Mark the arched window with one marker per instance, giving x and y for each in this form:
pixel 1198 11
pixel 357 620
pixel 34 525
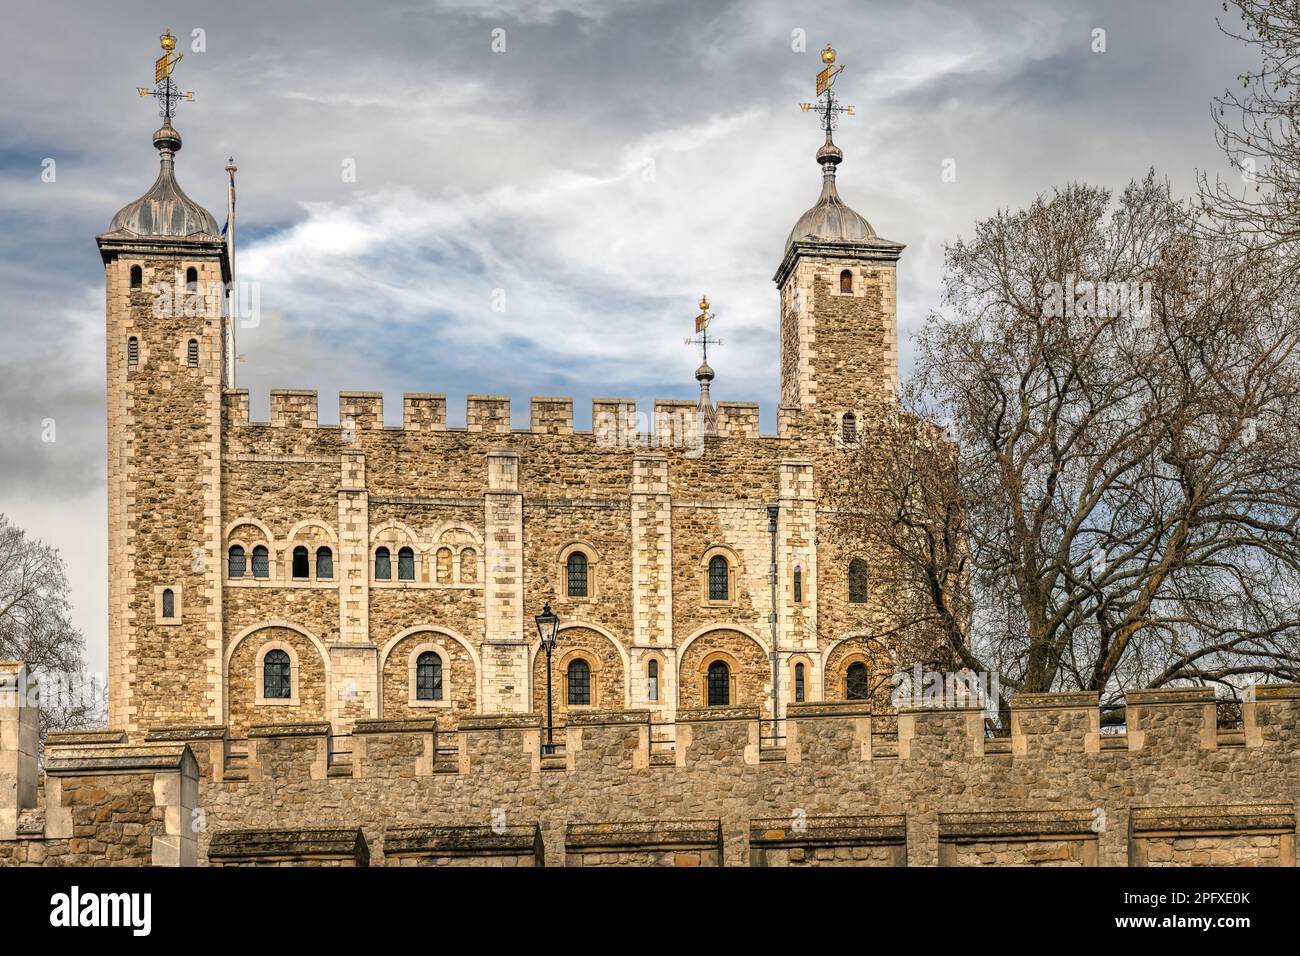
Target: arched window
pixel 719 579
pixel 798 684
pixel 383 565
pixel 192 353
pixel 301 562
pixel 846 281
pixel 137 277
pixel 857 581
pixel 468 566
pixel 576 574
pixel 442 566
pixel 168 603
pixel 133 351
pixel 261 562
pixel 406 565
pixel 276 678
pixel 579 682
pixel 191 279
pixel 849 428
pixel 324 564
pixel 798 584
pixel 856 684
pixel 237 562
pixel 652 680
pixel 719 684
pixel 428 676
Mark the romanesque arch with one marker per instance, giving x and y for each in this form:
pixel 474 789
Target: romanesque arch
pixel 460 675
pixel 243 677
pixel 745 656
pixel 603 653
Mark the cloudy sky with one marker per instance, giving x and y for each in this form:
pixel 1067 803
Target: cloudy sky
pixel 612 162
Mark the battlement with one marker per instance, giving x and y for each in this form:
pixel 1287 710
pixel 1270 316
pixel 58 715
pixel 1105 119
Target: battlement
pixel 615 422
pixel 941 788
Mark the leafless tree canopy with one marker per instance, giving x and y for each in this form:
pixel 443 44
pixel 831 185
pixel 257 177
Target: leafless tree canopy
pixel 1256 124
pixel 1115 501
pixel 35 627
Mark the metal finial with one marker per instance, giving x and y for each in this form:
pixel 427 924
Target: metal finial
pixel 829 107
pixel 165 89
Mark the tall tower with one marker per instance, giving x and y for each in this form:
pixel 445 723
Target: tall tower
pixel 165 268
pixel 839 325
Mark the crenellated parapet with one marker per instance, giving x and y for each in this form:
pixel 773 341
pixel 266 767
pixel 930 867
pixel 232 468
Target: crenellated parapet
pixel 487 792
pixel 615 422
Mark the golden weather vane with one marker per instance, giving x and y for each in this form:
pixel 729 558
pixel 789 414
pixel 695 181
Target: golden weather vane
pixel 165 89
pixel 701 336
pixel 829 107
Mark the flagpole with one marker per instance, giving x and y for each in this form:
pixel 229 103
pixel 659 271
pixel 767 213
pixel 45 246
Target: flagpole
pixel 230 356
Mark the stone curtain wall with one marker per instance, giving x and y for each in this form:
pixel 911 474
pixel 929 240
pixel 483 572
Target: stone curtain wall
pixel 1173 790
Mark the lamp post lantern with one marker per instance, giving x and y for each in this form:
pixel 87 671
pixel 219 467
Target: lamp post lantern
pixel 548 629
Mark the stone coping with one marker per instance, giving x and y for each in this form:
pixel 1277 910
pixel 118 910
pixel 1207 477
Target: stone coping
pixel 1276 692
pixel 1016 823
pixel 1169 695
pixel 643 834
pixel 696 714
pixel 321 729
pixel 213 732
pixel 942 708
pixel 254 845
pixel 596 718
pixel 1251 816
pixel 829 831
pixel 409 726
pixel 463 840
pixel 499 721
pixel 830 708
pixel 73 738
pixel 1073 700
pixel 61 761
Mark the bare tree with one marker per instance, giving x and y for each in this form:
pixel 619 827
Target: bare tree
pixel 1115 503
pixel 1256 125
pixel 35 627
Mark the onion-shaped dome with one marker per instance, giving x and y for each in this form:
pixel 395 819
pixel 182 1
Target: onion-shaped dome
pixel 165 210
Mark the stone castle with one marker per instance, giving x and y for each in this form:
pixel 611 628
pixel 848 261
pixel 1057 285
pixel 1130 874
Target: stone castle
pixel 322 644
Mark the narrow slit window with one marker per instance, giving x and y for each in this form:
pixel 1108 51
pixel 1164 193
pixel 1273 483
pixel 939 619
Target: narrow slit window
pixel 192 353
pixel 324 564
pixel 133 351
pixel 383 565
pixel 261 562
pixel 406 565
pixel 168 603
pixel 652 680
pixel 301 564
pixel 798 684
pixel 237 562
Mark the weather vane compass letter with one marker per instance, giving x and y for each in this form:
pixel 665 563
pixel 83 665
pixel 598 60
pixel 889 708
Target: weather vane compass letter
pixel 165 89
pixel 828 106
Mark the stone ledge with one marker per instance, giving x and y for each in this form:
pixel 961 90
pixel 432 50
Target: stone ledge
pixel 1279 817
pixel 1169 695
pixel 1276 692
pixel 500 722
pixel 254 846
pixel 829 831
pixel 643 834
pixel 73 738
pixel 410 726
pixel 598 718
pixel 60 761
pixel 1016 824
pixel 833 708
pixel 290 730
pixel 1073 700
pixel 698 714
pixel 464 841
pixel 213 732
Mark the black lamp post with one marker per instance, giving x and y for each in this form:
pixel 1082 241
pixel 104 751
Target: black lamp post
pixel 548 629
